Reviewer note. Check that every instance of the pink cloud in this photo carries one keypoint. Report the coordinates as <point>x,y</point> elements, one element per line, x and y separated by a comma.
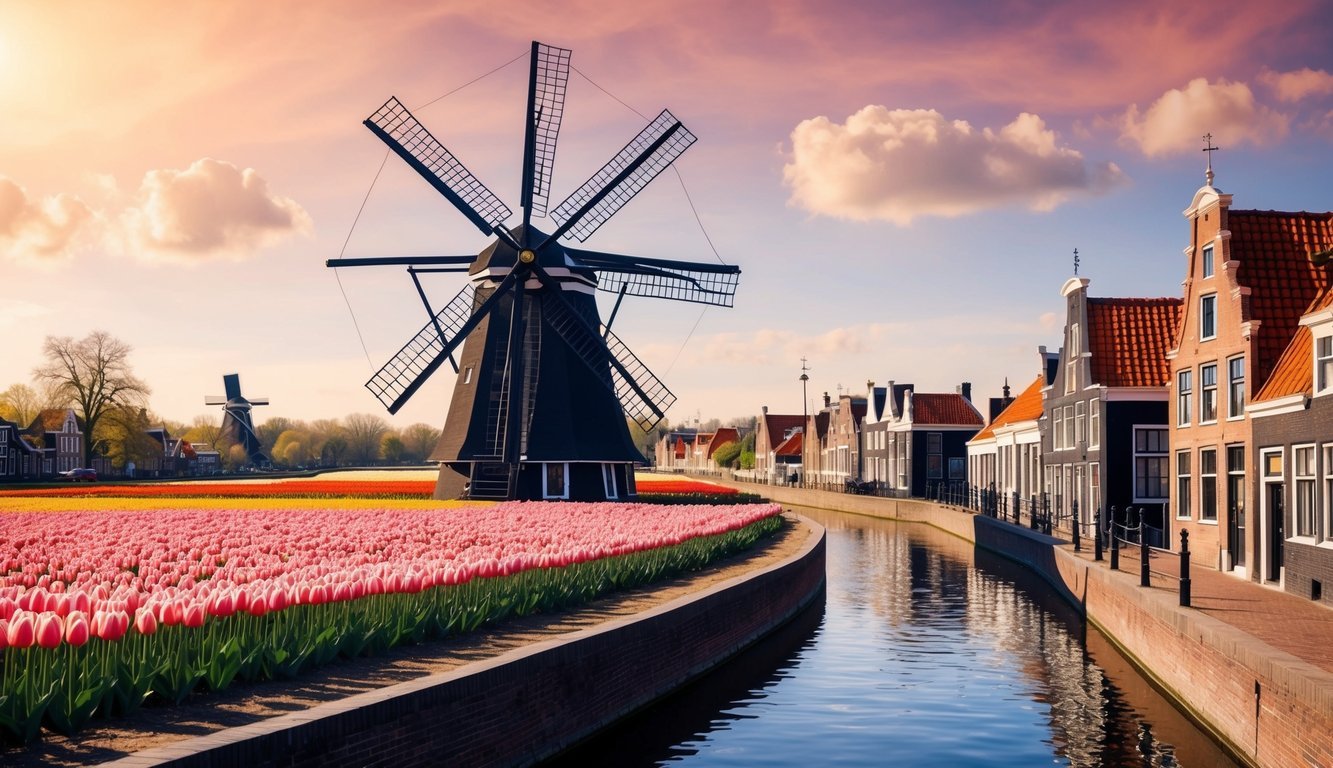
<point>43,229</point>
<point>1178,118</point>
<point>1298,85</point>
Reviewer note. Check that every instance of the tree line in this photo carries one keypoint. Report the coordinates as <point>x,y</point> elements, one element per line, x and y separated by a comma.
<point>93,376</point>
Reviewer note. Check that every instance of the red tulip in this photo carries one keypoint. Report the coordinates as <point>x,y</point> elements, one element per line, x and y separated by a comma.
<point>222,605</point>
<point>21,631</point>
<point>258,606</point>
<point>194,615</point>
<point>77,630</point>
<point>4,634</point>
<point>49,630</point>
<point>113,625</point>
<point>145,622</point>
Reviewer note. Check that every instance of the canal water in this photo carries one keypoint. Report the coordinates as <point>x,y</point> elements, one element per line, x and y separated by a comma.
<point>925,652</point>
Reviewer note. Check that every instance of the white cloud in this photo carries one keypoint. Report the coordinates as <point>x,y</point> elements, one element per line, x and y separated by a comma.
<point>15,312</point>
<point>210,210</point>
<point>43,229</point>
<point>895,165</point>
<point>1299,84</point>
<point>1178,119</point>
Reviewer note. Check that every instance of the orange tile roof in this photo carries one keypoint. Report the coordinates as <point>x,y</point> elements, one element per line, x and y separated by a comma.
<point>1025,407</point>
<point>1293,374</point>
<point>779,424</point>
<point>791,446</point>
<point>950,408</point>
<point>1273,249</point>
<point>1129,339</point>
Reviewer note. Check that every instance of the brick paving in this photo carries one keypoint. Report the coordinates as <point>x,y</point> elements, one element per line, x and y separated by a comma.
<point>1288,623</point>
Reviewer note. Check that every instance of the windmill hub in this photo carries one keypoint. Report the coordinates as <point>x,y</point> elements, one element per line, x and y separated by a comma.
<point>527,256</point>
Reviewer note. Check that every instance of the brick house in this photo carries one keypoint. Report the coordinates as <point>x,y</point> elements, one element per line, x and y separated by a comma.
<point>19,459</point>
<point>1249,278</point>
<point>1105,410</point>
<point>1292,419</point>
<point>777,446</point>
<point>832,456</point>
<point>58,435</point>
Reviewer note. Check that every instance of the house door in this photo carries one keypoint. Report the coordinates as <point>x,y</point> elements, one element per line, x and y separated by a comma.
<point>1277,533</point>
<point>1236,535</point>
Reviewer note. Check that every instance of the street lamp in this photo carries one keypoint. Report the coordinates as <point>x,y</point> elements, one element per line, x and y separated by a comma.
<point>805,418</point>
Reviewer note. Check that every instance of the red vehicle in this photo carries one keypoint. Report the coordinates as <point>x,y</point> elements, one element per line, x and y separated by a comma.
<point>82,474</point>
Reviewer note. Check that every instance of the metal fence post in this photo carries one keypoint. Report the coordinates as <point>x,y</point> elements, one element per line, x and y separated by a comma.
<point>1074,524</point>
<point>1145,575</point>
<point>1097,535</point>
<point>1115,542</point>
<point>1185,568</point>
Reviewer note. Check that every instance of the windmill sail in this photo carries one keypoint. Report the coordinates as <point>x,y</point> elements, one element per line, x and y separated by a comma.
<point>420,356</point>
<point>638,163</point>
<point>695,282</point>
<point>406,136</point>
<point>546,106</point>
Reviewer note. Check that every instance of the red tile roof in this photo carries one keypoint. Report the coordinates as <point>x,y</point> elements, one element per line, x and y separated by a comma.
<point>1025,407</point>
<point>791,446</point>
<point>1129,339</point>
<point>1273,249</point>
<point>779,424</point>
<point>721,437</point>
<point>680,448</point>
<point>951,408</point>
<point>1293,374</point>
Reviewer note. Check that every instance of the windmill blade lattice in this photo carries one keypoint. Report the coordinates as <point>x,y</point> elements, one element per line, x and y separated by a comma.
<point>695,282</point>
<point>409,138</point>
<point>638,163</point>
<point>550,77</point>
<point>405,371</point>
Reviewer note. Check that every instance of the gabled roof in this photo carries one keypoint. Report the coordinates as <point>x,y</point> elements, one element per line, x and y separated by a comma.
<point>791,446</point>
<point>49,420</point>
<point>940,408</point>
<point>1293,374</point>
<point>1026,407</point>
<point>721,437</point>
<point>1273,250</point>
<point>821,424</point>
<point>1129,339</point>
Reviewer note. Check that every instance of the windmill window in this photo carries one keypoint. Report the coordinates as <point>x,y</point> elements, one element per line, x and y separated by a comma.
<point>609,481</point>
<point>467,375</point>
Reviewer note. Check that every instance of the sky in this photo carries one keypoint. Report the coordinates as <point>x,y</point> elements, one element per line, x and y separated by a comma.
<point>902,184</point>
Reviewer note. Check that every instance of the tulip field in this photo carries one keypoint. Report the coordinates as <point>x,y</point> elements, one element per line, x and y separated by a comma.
<point>111,601</point>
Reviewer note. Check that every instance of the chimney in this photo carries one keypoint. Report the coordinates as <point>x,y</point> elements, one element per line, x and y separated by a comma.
<point>765,409</point>
<point>965,389</point>
<point>826,400</point>
<point>870,386</point>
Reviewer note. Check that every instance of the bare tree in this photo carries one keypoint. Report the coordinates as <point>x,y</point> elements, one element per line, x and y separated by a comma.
<point>204,429</point>
<point>363,433</point>
<point>94,374</point>
<point>20,404</point>
<point>419,441</point>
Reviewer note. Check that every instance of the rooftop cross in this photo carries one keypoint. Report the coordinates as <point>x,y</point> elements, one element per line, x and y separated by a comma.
<point>1209,149</point>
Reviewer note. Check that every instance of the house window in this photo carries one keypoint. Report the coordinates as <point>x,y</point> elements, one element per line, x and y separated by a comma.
<point>1071,366</point>
<point>1094,423</point>
<point>1328,492</point>
<point>1208,484</point>
<point>1208,317</point>
<point>609,481</point>
<point>1208,261</point>
<point>1208,396</point>
<point>1184,396</point>
<point>1080,424</point>
<point>1323,363</point>
<point>1183,484</point>
<point>934,442</point>
<point>1236,387</point>
<point>1058,434</point>
<point>1303,477</point>
<point>1150,464</point>
<point>957,468</point>
<point>934,455</point>
<point>554,485</point>
<point>1069,426</point>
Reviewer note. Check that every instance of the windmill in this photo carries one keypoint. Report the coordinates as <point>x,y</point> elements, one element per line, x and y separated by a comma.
<point>237,427</point>
<point>543,388</point>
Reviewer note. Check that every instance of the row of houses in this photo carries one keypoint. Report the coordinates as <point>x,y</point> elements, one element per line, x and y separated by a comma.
<point>54,443</point>
<point>1210,412</point>
<point>690,450</point>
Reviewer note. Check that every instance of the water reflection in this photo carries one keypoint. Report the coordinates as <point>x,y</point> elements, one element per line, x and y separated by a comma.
<point>925,653</point>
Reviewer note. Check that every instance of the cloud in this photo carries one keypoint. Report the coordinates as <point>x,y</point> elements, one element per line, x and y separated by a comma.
<point>210,210</point>
<point>1298,85</point>
<point>1179,118</point>
<point>15,312</point>
<point>896,165</point>
<point>43,229</point>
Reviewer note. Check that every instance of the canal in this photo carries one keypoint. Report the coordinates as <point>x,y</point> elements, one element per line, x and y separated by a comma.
<point>925,652</point>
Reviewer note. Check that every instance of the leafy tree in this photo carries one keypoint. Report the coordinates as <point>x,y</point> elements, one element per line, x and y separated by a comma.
<point>392,449</point>
<point>419,441</point>
<point>269,431</point>
<point>333,451</point>
<point>204,429</point>
<point>123,435</point>
<point>292,448</point>
<point>747,459</point>
<point>727,454</point>
<point>20,404</point>
<point>93,373</point>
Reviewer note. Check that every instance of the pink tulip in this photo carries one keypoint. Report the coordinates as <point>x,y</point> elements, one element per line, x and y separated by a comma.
<point>77,630</point>
<point>49,629</point>
<point>258,606</point>
<point>145,623</point>
<point>194,615</point>
<point>112,626</point>
<point>4,634</point>
<point>222,605</point>
<point>21,631</point>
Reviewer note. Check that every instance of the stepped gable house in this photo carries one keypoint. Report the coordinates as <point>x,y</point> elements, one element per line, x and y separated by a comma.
<point>1250,278</point>
<point>58,435</point>
<point>1105,411</point>
<point>833,452</point>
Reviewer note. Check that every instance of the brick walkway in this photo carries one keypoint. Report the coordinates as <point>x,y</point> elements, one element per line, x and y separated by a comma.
<point>1289,623</point>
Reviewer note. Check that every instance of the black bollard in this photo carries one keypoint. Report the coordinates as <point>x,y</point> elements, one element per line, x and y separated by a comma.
<point>1032,510</point>
<point>1074,524</point>
<point>1145,577</point>
<point>1097,535</point>
<point>1185,568</point>
<point>1115,543</point>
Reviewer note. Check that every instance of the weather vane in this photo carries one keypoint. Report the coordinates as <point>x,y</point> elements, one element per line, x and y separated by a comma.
<point>1075,262</point>
<point>1209,149</point>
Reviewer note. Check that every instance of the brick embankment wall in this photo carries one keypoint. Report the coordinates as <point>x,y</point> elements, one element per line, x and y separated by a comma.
<point>532,702</point>
<point>1268,707</point>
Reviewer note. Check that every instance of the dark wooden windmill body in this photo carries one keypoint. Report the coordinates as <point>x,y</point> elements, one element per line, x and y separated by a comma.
<point>238,427</point>
<point>544,391</point>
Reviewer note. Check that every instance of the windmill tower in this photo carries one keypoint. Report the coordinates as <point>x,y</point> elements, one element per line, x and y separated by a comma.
<point>237,427</point>
<point>543,387</point>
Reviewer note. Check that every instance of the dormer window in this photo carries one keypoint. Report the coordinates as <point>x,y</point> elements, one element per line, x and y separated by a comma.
<point>1323,364</point>
<point>1208,317</point>
<point>1208,261</point>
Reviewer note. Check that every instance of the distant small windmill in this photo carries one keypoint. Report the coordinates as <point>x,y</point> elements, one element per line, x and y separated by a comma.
<point>237,426</point>
<point>543,389</point>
